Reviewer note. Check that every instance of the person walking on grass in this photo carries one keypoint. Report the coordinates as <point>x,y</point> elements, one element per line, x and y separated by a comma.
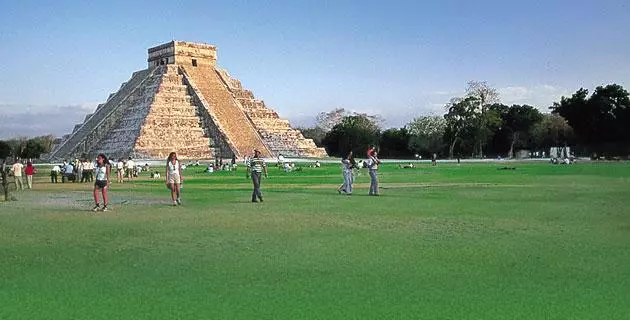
<point>102,172</point>
<point>256,168</point>
<point>131,166</point>
<point>29,171</point>
<point>373,163</point>
<point>348,164</point>
<point>174,178</point>
<point>17,175</point>
<point>120,170</point>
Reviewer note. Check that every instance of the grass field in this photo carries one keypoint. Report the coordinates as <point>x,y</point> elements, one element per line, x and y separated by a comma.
<point>445,242</point>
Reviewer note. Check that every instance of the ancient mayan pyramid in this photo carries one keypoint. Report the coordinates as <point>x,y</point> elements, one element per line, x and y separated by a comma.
<point>184,103</point>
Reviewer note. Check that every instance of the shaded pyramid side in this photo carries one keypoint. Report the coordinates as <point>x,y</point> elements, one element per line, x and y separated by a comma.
<point>276,132</point>
<point>86,137</point>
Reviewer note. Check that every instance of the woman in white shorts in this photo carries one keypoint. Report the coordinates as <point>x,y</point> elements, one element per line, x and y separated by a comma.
<point>174,178</point>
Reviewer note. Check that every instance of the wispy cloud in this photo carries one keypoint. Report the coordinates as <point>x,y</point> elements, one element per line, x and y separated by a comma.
<point>33,120</point>
<point>540,96</point>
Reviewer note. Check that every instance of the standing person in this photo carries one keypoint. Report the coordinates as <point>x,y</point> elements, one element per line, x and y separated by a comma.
<point>434,160</point>
<point>29,171</point>
<point>102,172</point>
<point>131,166</point>
<point>68,173</point>
<point>255,168</point>
<point>120,171</point>
<point>17,175</point>
<point>174,177</point>
<point>80,172</point>
<point>373,163</point>
<point>348,164</point>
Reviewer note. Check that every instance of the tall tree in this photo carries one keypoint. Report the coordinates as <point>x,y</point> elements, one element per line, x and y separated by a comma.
<point>426,135</point>
<point>327,120</point>
<point>551,131</point>
<point>600,121</point>
<point>354,133</point>
<point>5,150</point>
<point>519,120</point>
<point>459,120</point>
<point>482,91</point>
<point>394,143</point>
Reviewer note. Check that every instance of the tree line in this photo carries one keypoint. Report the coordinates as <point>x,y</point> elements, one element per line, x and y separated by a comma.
<point>26,148</point>
<point>478,125</point>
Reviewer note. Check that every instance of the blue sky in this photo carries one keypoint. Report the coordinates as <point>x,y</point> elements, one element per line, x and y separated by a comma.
<point>399,59</point>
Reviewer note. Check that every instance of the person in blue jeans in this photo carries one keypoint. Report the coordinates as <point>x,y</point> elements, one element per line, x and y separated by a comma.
<point>373,163</point>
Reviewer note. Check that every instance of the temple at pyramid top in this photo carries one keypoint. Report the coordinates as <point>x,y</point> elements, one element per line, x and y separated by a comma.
<point>183,53</point>
<point>183,103</point>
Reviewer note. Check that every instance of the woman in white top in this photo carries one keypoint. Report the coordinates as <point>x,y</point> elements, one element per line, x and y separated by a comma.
<point>174,177</point>
<point>102,172</point>
<point>120,171</point>
<point>348,164</point>
<point>373,163</point>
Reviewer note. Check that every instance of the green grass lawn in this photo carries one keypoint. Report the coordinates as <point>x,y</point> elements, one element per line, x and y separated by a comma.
<point>445,242</point>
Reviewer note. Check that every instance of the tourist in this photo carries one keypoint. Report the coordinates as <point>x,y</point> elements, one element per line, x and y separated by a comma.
<point>88,170</point>
<point>29,171</point>
<point>16,169</point>
<point>174,177</point>
<point>255,168</point>
<point>373,163</point>
<point>370,150</point>
<point>68,173</point>
<point>102,173</point>
<point>347,166</point>
<point>130,166</point>
<point>85,166</point>
<point>120,171</point>
<point>80,170</point>
<point>54,173</point>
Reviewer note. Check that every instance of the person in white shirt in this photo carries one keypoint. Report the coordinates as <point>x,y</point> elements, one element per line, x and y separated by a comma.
<point>373,163</point>
<point>174,178</point>
<point>101,184</point>
<point>130,168</point>
<point>54,173</point>
<point>348,164</point>
<point>17,174</point>
<point>68,173</point>
<point>120,171</point>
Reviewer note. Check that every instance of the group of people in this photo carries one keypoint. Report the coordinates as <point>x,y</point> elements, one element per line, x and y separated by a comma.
<point>348,166</point>
<point>78,170</point>
<point>16,171</point>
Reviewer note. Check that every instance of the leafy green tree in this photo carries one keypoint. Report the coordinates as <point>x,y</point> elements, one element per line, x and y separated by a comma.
<point>551,131</point>
<point>460,121</point>
<point>426,135</point>
<point>33,149</point>
<point>517,123</point>
<point>394,143</point>
<point>601,120</point>
<point>5,150</point>
<point>356,133</point>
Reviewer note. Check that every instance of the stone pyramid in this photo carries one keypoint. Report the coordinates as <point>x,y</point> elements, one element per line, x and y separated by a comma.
<point>184,103</point>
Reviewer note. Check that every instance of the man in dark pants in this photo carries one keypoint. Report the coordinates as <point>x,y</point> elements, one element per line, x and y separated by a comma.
<point>256,168</point>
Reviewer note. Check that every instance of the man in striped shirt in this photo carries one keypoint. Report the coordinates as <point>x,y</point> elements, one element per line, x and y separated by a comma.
<point>256,167</point>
